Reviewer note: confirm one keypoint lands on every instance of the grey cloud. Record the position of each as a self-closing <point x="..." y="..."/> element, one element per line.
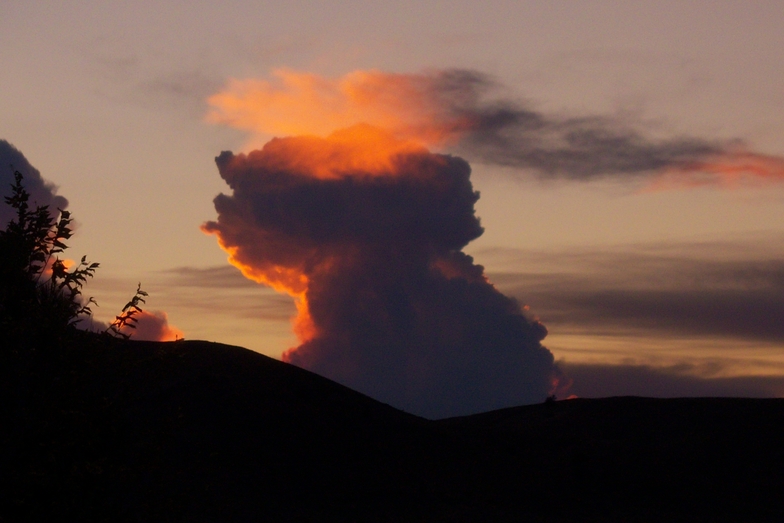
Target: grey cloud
<point x="192" y="85"/>
<point x="41" y="191"/>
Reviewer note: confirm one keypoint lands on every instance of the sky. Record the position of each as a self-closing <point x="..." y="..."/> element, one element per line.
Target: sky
<point x="627" y="155"/>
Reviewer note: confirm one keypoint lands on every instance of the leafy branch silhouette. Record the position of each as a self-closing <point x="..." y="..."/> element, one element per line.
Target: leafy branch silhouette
<point x="127" y="316"/>
<point x="39" y="294"/>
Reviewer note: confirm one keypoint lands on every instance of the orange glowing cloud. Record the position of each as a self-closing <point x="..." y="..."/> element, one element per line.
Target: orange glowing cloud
<point x="408" y="106"/>
<point x="283" y="278"/>
<point x="358" y="149"/>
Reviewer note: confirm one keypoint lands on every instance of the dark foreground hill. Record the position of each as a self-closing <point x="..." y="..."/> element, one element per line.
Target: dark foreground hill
<point x="196" y="431"/>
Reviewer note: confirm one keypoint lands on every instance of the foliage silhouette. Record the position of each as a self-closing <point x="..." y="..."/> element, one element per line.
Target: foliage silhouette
<point x="41" y="299"/>
<point x="127" y="317"/>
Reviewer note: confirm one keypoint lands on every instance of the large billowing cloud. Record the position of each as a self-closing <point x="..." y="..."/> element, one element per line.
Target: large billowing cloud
<point x="365" y="231"/>
<point x="41" y="192"/>
<point x="459" y="110"/>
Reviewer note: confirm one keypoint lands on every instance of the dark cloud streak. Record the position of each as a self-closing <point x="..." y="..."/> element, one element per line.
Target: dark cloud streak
<point x="657" y="294"/>
<point x="599" y="381"/>
<point x="505" y="132"/>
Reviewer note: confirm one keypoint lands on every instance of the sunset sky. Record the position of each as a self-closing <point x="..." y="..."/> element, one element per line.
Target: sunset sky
<point x="629" y="158"/>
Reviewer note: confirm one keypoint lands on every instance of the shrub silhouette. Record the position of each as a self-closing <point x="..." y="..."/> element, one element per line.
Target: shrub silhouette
<point x="41" y="299"/>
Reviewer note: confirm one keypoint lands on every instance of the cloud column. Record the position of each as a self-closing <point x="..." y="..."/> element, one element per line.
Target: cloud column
<point x="370" y="246"/>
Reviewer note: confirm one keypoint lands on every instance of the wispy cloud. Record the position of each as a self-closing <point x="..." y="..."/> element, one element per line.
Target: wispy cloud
<point x="194" y="289"/>
<point x="134" y="78"/>
<point x="723" y="289"/>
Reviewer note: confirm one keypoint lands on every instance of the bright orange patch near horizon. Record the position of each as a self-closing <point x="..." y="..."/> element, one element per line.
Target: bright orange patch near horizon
<point x="154" y="326"/>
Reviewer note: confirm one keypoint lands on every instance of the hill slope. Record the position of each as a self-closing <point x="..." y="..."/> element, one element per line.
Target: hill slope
<point x="197" y="431"/>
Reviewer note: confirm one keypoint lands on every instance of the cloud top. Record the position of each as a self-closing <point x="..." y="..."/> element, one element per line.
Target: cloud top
<point x="461" y="110"/>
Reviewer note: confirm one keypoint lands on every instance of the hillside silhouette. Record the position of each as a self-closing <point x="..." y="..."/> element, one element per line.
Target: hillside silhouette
<point x="116" y="430"/>
<point x="97" y="427"/>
